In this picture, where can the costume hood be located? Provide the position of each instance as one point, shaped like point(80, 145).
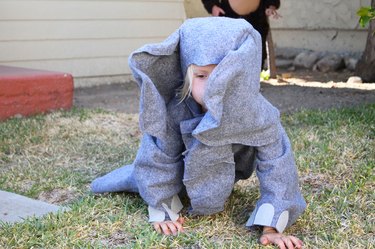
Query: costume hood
point(236, 111)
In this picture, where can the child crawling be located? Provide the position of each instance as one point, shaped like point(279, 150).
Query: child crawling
point(206, 126)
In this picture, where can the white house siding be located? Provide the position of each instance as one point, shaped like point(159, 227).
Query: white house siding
point(323, 25)
point(91, 39)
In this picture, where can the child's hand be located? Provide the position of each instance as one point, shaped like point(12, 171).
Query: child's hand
point(169, 227)
point(271, 236)
point(216, 11)
point(272, 12)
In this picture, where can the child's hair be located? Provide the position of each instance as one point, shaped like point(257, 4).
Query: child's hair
point(185, 90)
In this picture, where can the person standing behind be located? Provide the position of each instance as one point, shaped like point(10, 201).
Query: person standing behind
point(258, 18)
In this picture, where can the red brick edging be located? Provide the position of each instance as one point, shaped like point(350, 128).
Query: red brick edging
point(26, 91)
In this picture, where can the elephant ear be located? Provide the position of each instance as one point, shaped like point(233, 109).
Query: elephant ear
point(156, 68)
point(237, 112)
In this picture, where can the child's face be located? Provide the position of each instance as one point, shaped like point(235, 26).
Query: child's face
point(200, 76)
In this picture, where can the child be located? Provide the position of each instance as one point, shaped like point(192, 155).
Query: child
point(202, 136)
point(258, 18)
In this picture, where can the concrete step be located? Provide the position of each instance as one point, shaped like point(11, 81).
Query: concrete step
point(16, 208)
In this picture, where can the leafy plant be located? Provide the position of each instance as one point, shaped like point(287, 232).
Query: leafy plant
point(366, 14)
point(265, 75)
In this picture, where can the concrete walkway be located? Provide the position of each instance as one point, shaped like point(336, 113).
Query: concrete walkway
point(16, 208)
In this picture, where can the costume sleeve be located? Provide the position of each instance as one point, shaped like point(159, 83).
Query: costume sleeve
point(158, 172)
point(208, 177)
point(268, 3)
point(281, 202)
point(208, 4)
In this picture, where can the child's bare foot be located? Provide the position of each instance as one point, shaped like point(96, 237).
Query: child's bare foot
point(169, 227)
point(271, 236)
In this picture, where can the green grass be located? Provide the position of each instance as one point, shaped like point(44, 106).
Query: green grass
point(55, 157)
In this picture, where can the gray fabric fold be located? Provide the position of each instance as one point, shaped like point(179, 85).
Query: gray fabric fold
point(118, 180)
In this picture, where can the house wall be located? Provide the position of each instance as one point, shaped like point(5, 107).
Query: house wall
point(322, 25)
point(91, 39)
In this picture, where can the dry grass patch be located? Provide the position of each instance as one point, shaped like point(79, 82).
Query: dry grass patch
point(64, 151)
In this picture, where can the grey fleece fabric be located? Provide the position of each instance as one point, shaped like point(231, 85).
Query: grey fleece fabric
point(206, 153)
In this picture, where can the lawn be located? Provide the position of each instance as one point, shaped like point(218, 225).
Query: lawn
point(55, 157)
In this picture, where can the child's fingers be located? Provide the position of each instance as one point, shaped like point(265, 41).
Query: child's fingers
point(264, 240)
point(169, 227)
point(165, 228)
point(280, 243)
point(181, 220)
point(157, 227)
point(287, 242)
point(161, 228)
point(179, 226)
point(172, 227)
point(296, 241)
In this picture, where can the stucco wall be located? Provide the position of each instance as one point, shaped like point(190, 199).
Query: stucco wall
point(330, 25)
point(320, 25)
point(90, 39)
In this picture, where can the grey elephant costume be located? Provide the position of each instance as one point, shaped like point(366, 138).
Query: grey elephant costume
point(204, 154)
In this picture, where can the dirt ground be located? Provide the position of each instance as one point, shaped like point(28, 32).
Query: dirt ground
point(301, 89)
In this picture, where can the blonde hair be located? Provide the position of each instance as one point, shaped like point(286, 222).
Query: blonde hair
point(185, 90)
